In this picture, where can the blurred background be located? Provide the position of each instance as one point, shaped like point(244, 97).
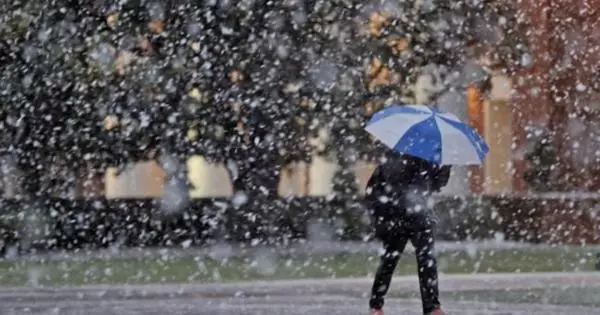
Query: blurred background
point(244, 120)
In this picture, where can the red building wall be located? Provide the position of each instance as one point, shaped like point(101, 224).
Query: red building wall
point(559, 89)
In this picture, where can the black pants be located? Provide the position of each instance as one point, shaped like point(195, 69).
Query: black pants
point(394, 244)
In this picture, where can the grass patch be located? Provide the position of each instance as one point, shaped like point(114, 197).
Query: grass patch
point(266, 266)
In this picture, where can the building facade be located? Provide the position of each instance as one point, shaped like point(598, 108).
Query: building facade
point(558, 93)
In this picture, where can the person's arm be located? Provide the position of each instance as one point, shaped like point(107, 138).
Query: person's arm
point(440, 179)
point(373, 181)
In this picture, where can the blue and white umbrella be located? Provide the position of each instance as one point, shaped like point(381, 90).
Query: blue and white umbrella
point(432, 135)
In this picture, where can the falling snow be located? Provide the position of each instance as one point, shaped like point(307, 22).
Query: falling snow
point(107, 106)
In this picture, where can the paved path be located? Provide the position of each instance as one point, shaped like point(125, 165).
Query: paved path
point(294, 297)
point(298, 305)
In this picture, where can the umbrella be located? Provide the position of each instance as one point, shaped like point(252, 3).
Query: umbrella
point(429, 134)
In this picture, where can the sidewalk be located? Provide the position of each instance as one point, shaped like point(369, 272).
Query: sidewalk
point(448, 283)
point(176, 300)
point(346, 296)
point(220, 251)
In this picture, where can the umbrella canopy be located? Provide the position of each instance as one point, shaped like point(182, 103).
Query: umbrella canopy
point(429, 134)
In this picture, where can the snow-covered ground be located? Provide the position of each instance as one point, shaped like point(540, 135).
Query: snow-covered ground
point(335, 296)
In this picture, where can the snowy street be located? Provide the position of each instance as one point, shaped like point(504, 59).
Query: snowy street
point(334, 296)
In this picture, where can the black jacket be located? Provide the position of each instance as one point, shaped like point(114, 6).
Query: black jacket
point(400, 183)
point(405, 172)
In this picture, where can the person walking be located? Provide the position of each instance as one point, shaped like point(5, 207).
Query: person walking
point(397, 198)
point(427, 141)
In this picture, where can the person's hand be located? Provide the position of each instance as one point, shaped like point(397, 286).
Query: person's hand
point(441, 177)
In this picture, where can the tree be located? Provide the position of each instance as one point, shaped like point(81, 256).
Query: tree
point(144, 79)
point(260, 114)
point(88, 88)
point(44, 99)
point(393, 44)
point(246, 83)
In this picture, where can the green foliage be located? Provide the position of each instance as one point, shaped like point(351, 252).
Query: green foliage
point(105, 83)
